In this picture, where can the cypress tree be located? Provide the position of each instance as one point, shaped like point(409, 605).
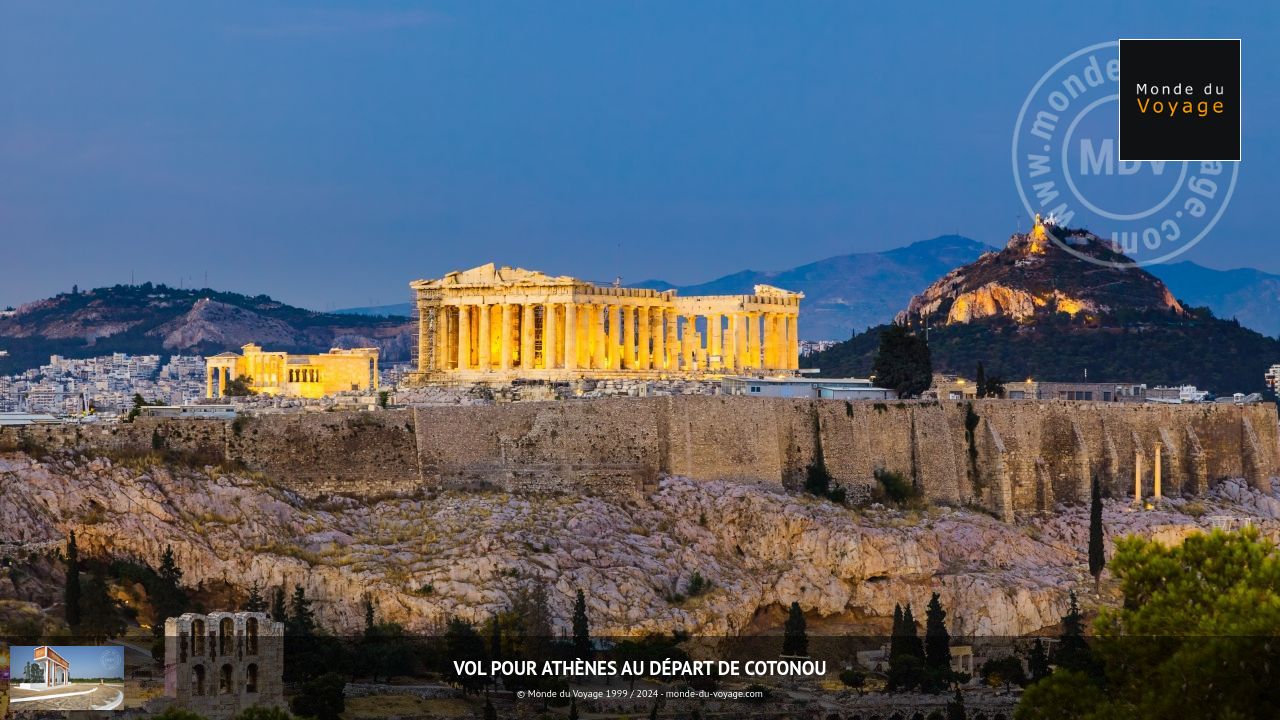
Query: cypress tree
point(895, 639)
point(581, 628)
point(911, 634)
point(937, 645)
point(302, 621)
point(981, 381)
point(255, 602)
point(795, 641)
point(1038, 662)
point(955, 708)
point(1097, 555)
point(71, 596)
point(278, 612)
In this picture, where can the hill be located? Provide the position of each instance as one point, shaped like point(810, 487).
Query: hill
point(853, 291)
point(156, 319)
point(1248, 295)
point(1035, 310)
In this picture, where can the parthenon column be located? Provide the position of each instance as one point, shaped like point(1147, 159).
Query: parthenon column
point(443, 338)
point(424, 319)
point(793, 341)
point(628, 337)
point(504, 336)
point(642, 337)
point(464, 337)
point(658, 333)
point(715, 346)
point(208, 381)
point(599, 357)
point(614, 361)
point(485, 343)
point(570, 336)
point(753, 340)
point(550, 348)
point(527, 323)
point(769, 339)
point(730, 346)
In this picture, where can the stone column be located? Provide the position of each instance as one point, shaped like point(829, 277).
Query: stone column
point(740, 341)
point(771, 341)
point(570, 336)
point(794, 341)
point(208, 381)
point(673, 340)
point(628, 337)
point(485, 341)
point(730, 345)
point(505, 339)
point(614, 361)
point(658, 329)
point(527, 323)
point(464, 337)
point(1155, 490)
point(715, 344)
point(753, 340)
point(223, 377)
point(444, 338)
point(642, 343)
point(1137, 478)
point(424, 337)
point(550, 341)
point(599, 341)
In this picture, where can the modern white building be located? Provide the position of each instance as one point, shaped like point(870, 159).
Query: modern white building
point(1273, 378)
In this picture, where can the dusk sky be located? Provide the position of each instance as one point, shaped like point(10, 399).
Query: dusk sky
point(327, 154)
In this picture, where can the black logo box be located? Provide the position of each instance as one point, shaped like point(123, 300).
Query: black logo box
point(1184, 64)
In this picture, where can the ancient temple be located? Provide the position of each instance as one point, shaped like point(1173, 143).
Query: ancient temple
point(499, 324)
point(273, 372)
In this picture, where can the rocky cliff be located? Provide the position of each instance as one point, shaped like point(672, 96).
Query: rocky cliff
point(454, 553)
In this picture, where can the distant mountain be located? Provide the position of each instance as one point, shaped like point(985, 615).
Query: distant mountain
point(1034, 310)
point(155, 319)
point(396, 310)
point(1248, 295)
point(849, 292)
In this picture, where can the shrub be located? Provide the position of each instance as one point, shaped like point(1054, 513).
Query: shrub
point(895, 486)
point(853, 678)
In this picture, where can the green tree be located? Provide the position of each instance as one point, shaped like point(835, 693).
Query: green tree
point(980, 381)
point(71, 593)
point(795, 639)
point(937, 646)
point(462, 643)
point(581, 629)
point(903, 363)
point(1004, 671)
point(1193, 638)
point(906, 655)
point(321, 698)
point(278, 608)
point(99, 619)
point(301, 621)
point(240, 386)
point(255, 602)
point(1073, 652)
point(1097, 551)
point(1037, 662)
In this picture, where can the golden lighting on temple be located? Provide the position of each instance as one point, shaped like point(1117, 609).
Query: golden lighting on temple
point(282, 373)
point(497, 324)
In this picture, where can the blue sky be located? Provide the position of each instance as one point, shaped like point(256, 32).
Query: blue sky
point(85, 661)
point(328, 153)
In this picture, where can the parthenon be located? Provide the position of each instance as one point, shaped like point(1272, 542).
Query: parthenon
point(497, 324)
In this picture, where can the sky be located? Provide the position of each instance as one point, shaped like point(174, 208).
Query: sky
point(329, 153)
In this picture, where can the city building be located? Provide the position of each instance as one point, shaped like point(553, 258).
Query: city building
point(952, 387)
point(1273, 378)
point(492, 324)
point(802, 387)
point(282, 373)
point(1177, 395)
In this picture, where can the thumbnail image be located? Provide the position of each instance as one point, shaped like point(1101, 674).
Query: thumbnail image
point(66, 677)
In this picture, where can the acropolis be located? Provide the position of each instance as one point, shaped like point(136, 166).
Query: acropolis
point(498, 324)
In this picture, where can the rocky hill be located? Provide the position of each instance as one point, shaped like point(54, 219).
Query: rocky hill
point(1033, 309)
point(155, 319)
point(464, 554)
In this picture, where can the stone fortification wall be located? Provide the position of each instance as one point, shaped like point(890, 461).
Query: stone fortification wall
point(1008, 456)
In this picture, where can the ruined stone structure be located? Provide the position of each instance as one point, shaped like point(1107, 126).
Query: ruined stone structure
point(1011, 457)
point(280, 373)
point(491, 324)
point(219, 664)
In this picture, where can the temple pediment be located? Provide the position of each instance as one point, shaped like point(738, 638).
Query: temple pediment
point(771, 291)
point(490, 275)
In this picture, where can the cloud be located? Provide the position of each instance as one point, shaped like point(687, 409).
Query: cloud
point(330, 22)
